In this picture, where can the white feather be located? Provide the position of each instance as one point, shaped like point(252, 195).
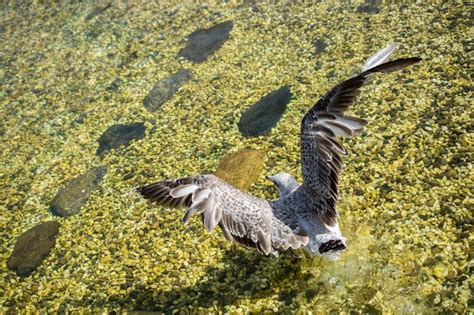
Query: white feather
point(379, 57)
point(352, 123)
point(183, 190)
point(338, 128)
point(201, 194)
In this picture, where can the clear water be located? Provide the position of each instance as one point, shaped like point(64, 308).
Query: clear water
point(67, 75)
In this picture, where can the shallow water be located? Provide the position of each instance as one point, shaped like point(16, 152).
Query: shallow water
point(69, 72)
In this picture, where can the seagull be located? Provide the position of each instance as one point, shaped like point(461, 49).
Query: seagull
point(305, 215)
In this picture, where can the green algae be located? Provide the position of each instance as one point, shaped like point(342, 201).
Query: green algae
point(405, 191)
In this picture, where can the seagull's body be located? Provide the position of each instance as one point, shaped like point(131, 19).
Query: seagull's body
point(305, 215)
point(285, 183)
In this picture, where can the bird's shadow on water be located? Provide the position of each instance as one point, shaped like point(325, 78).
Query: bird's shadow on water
point(246, 274)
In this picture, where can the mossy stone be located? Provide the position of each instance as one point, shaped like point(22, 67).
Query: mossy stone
point(98, 10)
point(32, 247)
point(261, 117)
point(118, 135)
point(368, 8)
point(320, 46)
point(71, 198)
point(165, 89)
point(203, 42)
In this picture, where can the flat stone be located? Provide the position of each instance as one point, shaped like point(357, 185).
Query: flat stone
point(118, 135)
point(69, 200)
point(32, 247)
point(203, 42)
point(320, 46)
point(99, 9)
point(368, 8)
point(165, 89)
point(242, 168)
point(261, 117)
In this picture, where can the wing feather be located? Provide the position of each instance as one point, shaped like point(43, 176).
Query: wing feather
point(241, 217)
point(321, 153)
point(379, 57)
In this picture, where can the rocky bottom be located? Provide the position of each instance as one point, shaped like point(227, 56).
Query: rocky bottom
point(98, 99)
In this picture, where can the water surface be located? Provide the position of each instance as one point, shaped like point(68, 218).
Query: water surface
point(69, 72)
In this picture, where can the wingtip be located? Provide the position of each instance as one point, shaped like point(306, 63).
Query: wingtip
point(379, 57)
point(392, 66)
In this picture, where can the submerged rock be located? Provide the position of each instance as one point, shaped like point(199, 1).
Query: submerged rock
point(261, 117)
point(204, 42)
point(32, 247)
point(71, 198)
point(98, 10)
point(242, 168)
point(368, 8)
point(165, 89)
point(118, 135)
point(320, 46)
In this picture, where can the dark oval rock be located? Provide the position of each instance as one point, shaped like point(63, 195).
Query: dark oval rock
point(118, 135)
point(261, 117)
point(32, 247)
point(165, 89)
point(320, 46)
point(242, 168)
point(368, 8)
point(70, 199)
point(203, 42)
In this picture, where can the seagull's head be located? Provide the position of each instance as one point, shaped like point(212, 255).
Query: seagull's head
point(284, 182)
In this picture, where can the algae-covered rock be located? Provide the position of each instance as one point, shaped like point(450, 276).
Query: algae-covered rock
point(204, 42)
point(242, 168)
point(118, 135)
point(165, 89)
point(32, 247)
point(99, 9)
point(370, 8)
point(261, 117)
point(320, 46)
point(71, 198)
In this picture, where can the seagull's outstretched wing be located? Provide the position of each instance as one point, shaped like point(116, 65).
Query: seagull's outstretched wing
point(242, 217)
point(320, 151)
